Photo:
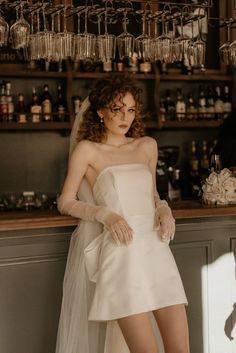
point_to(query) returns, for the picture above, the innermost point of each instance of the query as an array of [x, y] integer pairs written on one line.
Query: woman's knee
[[138, 333]]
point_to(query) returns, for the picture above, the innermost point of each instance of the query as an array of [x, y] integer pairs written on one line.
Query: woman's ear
[[100, 113]]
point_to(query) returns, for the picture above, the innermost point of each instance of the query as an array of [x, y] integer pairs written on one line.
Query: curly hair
[[104, 92]]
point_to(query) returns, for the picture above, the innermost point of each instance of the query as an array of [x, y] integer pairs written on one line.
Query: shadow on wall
[[34, 161]]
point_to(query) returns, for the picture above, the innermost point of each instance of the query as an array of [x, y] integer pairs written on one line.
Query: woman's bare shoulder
[[84, 148], [148, 142]]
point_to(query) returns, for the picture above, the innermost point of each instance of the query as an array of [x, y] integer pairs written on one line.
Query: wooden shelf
[[35, 126], [150, 124], [140, 76], [196, 77], [191, 124], [32, 74]]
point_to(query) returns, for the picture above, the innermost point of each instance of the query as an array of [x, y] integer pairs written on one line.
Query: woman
[[116, 280]]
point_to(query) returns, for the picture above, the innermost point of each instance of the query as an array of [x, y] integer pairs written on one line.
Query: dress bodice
[[126, 189]]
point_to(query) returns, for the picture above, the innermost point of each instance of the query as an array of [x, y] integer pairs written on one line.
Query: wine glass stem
[[86, 21], [105, 23], [125, 22], [143, 24], [228, 32], [78, 21]]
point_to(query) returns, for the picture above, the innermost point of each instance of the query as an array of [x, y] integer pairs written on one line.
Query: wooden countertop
[[14, 220]]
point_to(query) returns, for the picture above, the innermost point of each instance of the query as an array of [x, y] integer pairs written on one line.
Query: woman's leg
[[138, 333], [172, 322]]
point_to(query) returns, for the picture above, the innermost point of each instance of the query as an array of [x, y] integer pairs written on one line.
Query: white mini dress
[[104, 281], [142, 276]]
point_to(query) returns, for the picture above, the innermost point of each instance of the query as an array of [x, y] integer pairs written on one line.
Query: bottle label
[[61, 112], [22, 118], [180, 110], [47, 106], [227, 107], [194, 165], [47, 109], [36, 111], [219, 108]]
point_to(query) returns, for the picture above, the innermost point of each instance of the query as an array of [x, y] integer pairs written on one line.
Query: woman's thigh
[[173, 325], [138, 333]]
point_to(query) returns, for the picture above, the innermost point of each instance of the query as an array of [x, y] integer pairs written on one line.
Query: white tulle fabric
[[75, 333]]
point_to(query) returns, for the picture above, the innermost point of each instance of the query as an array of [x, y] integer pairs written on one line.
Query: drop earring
[[101, 119]]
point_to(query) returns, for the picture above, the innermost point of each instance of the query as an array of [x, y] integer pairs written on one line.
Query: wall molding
[[36, 259]]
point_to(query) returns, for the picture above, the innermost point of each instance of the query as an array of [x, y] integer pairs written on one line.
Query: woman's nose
[[123, 114]]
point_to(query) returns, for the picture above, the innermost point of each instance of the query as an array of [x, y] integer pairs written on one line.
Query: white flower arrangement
[[220, 188]]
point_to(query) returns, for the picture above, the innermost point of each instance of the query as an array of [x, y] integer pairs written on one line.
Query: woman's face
[[119, 115]]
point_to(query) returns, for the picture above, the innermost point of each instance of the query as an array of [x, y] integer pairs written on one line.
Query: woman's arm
[[164, 218], [68, 204]]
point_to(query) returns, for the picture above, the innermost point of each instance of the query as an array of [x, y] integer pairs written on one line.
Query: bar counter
[[186, 209], [33, 253]]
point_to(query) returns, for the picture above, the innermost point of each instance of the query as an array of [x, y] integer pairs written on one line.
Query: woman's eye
[[132, 111], [116, 110]]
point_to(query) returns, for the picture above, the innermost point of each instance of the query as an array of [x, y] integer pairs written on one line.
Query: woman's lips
[[123, 126]]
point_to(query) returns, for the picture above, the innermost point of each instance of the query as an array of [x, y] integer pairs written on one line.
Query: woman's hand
[[118, 227], [165, 223]]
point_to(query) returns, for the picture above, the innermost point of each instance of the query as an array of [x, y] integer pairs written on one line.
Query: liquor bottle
[[107, 66], [10, 105], [204, 161], [35, 107], [60, 105], [202, 109], [187, 68], [46, 104], [164, 69], [191, 109], [219, 104], [21, 116], [216, 163], [194, 171], [227, 104], [3, 103], [174, 189], [162, 110], [210, 105], [169, 106], [180, 106]]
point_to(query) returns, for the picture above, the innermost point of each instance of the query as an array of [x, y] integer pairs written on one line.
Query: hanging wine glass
[[154, 40], [164, 43], [125, 41], [176, 45], [143, 42], [199, 52], [34, 40], [84, 43], [180, 43], [20, 30], [30, 51], [225, 50], [45, 40], [77, 54], [65, 40], [4, 30], [191, 47], [106, 42]]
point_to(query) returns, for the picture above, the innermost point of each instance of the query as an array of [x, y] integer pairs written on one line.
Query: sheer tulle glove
[[116, 225], [164, 220]]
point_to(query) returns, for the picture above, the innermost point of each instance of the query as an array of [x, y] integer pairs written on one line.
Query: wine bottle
[[46, 104], [60, 105], [35, 107]]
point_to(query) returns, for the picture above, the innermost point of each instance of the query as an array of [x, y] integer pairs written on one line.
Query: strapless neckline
[[123, 165]]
